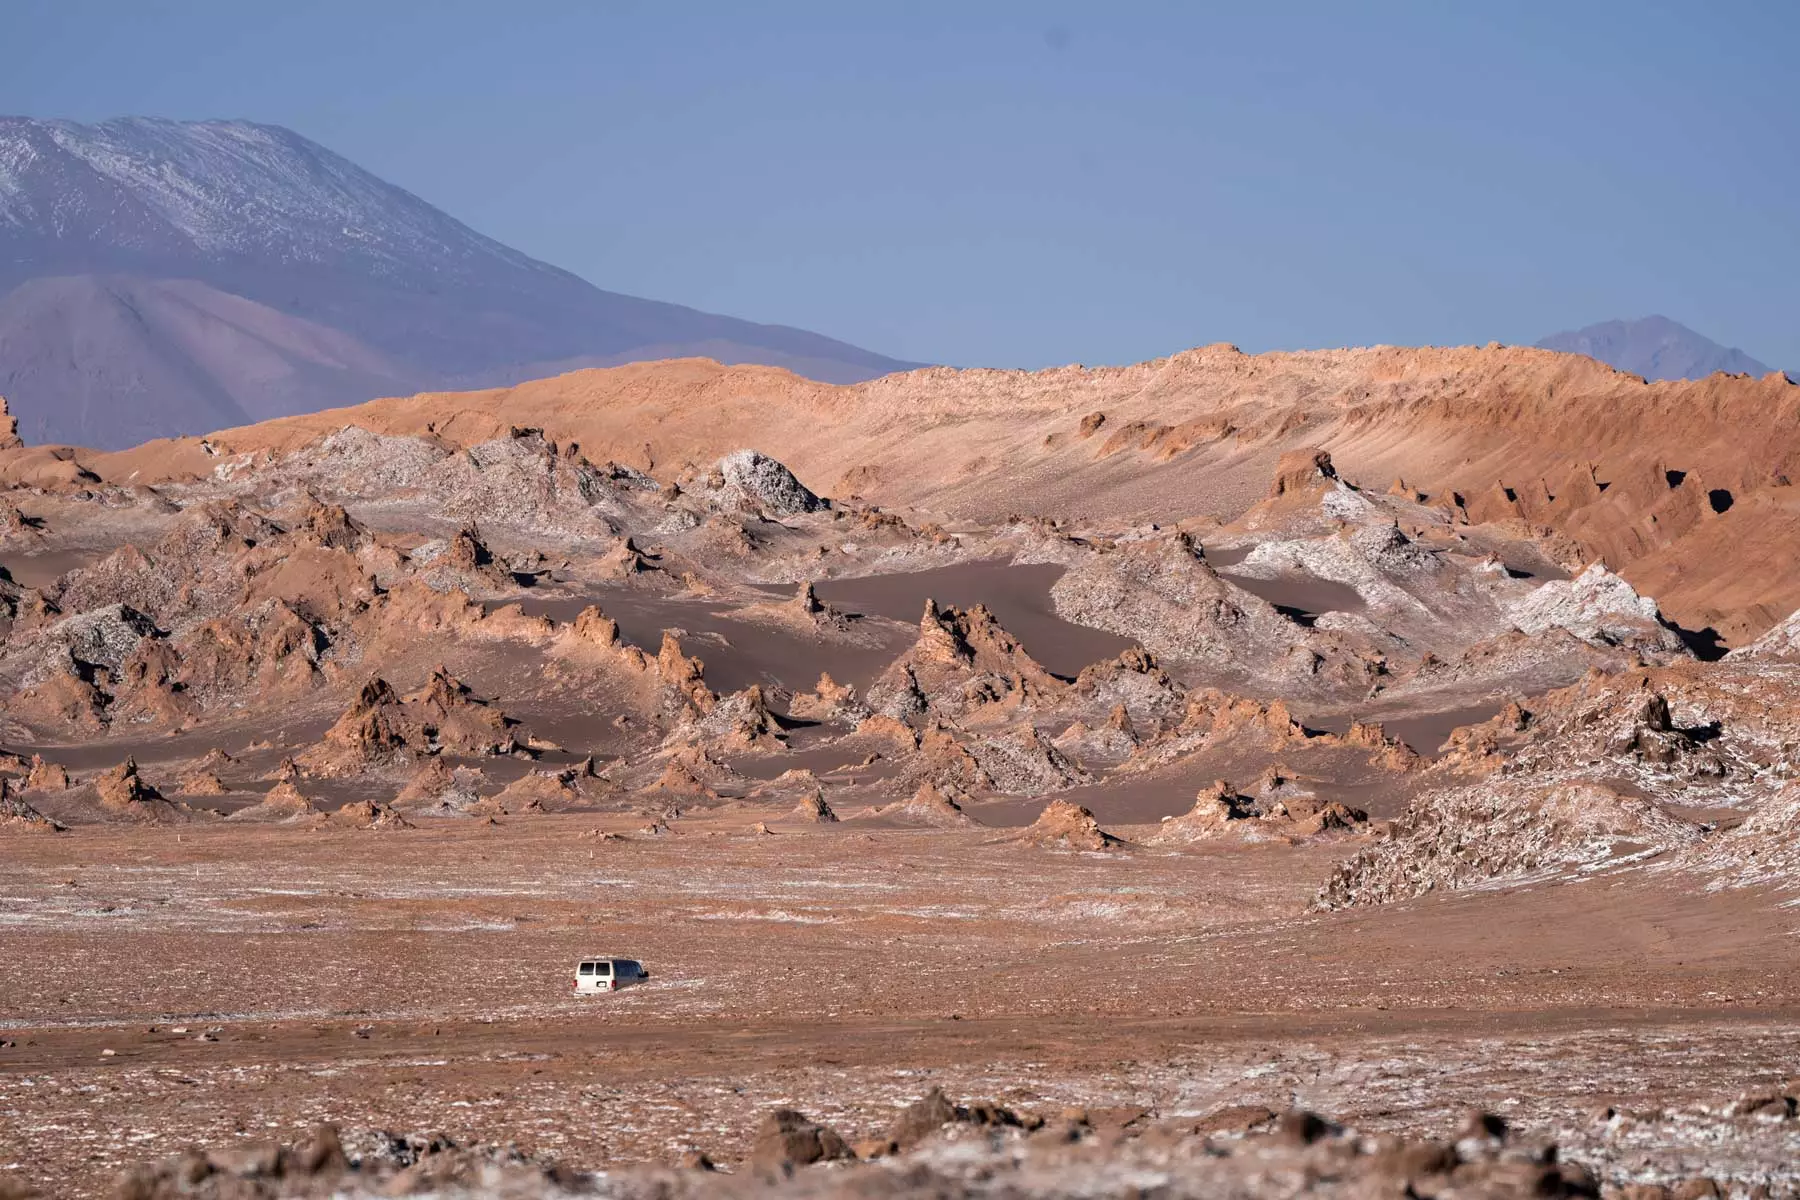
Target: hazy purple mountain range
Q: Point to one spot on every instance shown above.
(1656, 348)
(162, 277)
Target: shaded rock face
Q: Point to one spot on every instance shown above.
(121, 788)
(331, 525)
(104, 637)
(740, 721)
(1023, 763)
(370, 729)
(973, 638)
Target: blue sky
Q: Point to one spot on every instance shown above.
(1016, 184)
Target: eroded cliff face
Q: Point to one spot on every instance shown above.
(1680, 486)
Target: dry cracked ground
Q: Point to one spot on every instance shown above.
(1343, 847)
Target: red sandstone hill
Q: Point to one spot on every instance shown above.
(1683, 486)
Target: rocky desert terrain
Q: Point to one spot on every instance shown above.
(1361, 773)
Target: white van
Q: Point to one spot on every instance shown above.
(607, 974)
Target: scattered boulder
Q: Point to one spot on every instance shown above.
(932, 1112)
(788, 1140)
(318, 1165)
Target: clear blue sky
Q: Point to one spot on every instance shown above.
(1019, 184)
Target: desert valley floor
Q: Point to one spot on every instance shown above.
(1140, 835)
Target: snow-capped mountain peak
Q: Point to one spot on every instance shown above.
(162, 277)
(223, 189)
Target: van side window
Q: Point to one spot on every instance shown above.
(630, 968)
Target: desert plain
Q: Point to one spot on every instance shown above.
(1187, 779)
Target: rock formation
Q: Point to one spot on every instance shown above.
(1064, 825)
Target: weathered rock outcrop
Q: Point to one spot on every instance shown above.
(753, 479)
(1065, 825)
(1469, 836)
(381, 727)
(1597, 606)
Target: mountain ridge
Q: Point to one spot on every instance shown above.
(1684, 487)
(1656, 348)
(261, 213)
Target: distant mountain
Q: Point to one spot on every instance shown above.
(1656, 348)
(162, 277)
